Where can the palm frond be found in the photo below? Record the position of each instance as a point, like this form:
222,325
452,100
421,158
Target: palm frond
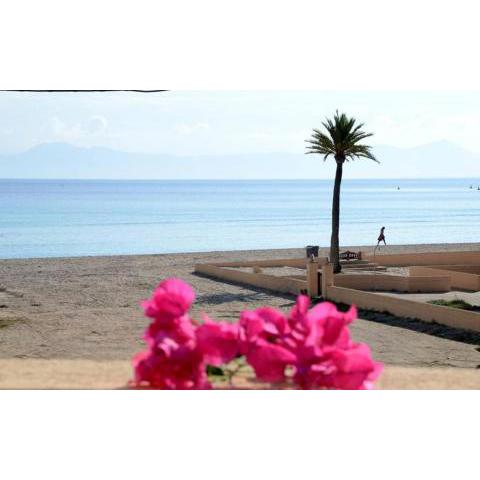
341,138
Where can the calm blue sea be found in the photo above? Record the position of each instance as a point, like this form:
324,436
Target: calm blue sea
50,218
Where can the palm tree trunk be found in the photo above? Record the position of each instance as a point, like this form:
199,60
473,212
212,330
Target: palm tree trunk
334,242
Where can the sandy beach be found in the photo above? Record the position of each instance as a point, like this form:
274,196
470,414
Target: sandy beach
87,308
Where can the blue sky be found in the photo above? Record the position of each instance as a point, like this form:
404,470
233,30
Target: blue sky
222,122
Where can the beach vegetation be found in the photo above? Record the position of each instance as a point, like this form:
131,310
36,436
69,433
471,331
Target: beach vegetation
455,303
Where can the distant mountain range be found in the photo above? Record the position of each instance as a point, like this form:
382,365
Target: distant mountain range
62,160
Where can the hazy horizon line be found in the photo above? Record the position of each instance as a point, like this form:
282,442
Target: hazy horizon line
227,179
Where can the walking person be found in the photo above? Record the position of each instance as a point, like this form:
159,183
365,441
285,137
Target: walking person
381,237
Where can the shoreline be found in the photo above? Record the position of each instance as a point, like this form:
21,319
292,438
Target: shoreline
390,248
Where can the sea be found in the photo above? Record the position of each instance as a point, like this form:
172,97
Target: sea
65,218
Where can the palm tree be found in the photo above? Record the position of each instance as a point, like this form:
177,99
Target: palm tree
342,141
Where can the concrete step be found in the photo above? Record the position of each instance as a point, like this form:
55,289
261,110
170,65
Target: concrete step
372,269
359,265
367,267
354,262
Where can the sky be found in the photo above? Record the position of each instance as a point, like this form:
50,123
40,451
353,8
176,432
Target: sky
223,122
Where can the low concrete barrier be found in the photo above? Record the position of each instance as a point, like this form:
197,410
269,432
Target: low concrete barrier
286,262
458,279
282,262
372,282
429,283
473,269
397,283
269,282
401,307
426,258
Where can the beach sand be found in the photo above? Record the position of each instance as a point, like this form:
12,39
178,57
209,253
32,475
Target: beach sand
88,308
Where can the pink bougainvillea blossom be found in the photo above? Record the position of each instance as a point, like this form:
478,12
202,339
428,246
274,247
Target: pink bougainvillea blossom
218,341
270,361
315,343
172,298
179,350
310,349
173,359
179,368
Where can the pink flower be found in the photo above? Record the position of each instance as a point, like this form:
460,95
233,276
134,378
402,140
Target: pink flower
179,350
265,323
350,369
173,360
270,361
218,341
315,343
180,329
263,335
178,368
172,298
355,368
328,326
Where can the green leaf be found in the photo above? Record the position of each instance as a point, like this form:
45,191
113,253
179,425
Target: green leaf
215,371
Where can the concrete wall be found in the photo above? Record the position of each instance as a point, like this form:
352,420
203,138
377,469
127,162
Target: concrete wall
283,262
462,280
371,282
261,280
457,269
429,283
427,312
433,282
421,278
427,258
475,269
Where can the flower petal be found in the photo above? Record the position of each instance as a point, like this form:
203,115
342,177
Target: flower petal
269,361
218,341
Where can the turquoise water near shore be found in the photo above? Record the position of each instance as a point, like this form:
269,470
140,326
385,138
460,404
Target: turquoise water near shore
56,218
